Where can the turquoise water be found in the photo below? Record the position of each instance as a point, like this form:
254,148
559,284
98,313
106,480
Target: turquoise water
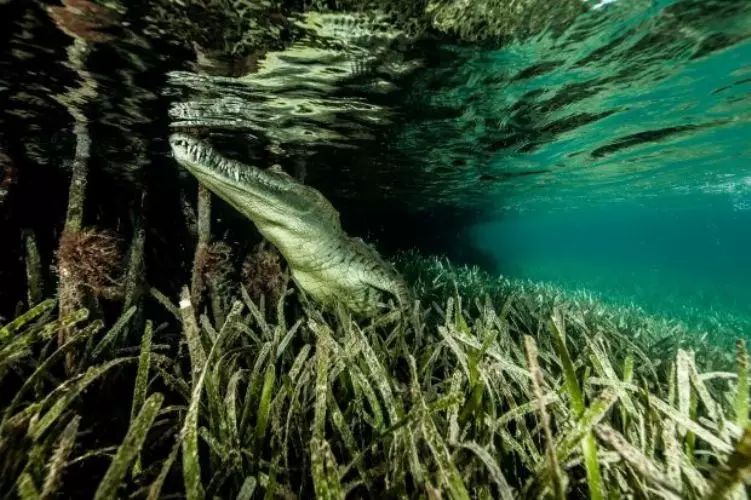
683,257
616,157
635,100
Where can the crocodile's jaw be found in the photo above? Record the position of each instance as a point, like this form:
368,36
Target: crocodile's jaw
261,195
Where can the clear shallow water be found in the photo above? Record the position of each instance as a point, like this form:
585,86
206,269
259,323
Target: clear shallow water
610,155
667,256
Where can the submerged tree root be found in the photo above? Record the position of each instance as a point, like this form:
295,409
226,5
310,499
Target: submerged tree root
87,267
91,258
263,274
34,277
8,175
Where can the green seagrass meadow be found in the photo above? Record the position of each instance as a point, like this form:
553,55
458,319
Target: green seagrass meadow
491,388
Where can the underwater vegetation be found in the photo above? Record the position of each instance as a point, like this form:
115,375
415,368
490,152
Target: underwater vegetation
239,386
492,388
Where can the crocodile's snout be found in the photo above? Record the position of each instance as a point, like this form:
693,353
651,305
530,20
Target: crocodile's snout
182,141
186,147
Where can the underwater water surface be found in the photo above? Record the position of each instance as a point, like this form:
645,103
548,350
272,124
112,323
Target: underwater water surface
633,100
615,158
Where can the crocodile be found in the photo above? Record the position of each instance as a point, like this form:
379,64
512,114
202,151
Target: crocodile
326,263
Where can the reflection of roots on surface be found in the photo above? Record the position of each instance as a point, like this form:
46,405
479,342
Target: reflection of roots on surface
7,175
89,259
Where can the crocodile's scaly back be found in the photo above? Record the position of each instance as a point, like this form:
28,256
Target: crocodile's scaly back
297,219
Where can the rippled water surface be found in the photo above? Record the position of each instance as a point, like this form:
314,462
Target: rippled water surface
637,99
634,99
